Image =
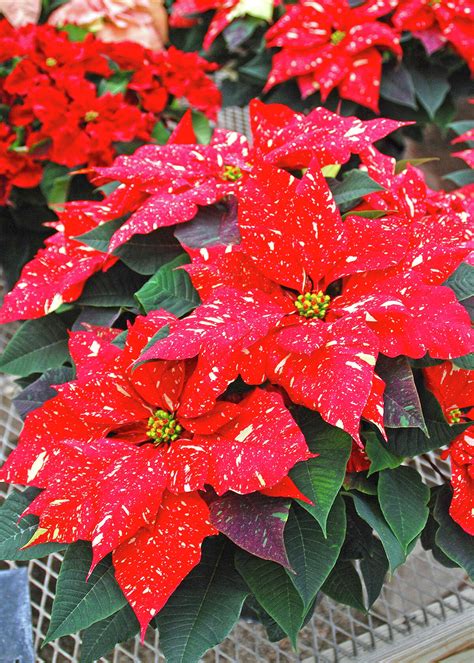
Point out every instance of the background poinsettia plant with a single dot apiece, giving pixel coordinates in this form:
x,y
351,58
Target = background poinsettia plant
x,y
405,59
71,102
228,363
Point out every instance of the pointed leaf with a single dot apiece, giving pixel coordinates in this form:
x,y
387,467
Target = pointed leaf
x,y
356,183
80,602
321,478
402,407
397,86
116,287
466,362
431,88
170,288
36,346
101,637
15,534
454,542
312,556
462,281
374,568
344,586
55,183
403,498
204,608
254,522
369,510
274,590
40,391
381,457
142,253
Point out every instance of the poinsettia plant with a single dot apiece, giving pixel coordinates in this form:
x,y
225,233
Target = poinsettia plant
x,y
68,105
228,363
408,59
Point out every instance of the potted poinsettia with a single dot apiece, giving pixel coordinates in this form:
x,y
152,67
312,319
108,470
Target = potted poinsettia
x,y
244,346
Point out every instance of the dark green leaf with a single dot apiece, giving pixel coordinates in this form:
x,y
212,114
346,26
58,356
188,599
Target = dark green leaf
x,y
454,542
116,287
55,183
462,281
170,288
368,213
15,534
401,400
99,237
36,346
363,484
311,555
374,568
94,315
160,133
369,510
142,253
461,126
321,478
116,84
80,602
274,590
397,86
403,498
41,390
202,127
254,522
466,362
431,87
359,537
344,586
101,637
428,541
461,177
204,608
380,454
258,67
355,184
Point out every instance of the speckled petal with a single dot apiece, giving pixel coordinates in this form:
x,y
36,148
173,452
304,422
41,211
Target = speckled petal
x,y
258,449
151,565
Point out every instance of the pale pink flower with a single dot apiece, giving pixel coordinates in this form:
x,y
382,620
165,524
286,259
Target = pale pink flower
x,y
21,12
141,21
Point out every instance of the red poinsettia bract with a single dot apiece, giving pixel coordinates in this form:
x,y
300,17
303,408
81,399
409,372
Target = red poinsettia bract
x,y
436,22
454,390
177,177
308,301
59,271
328,44
121,465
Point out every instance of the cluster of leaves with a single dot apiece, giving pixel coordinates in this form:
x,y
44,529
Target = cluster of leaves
x,y
322,499
419,77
